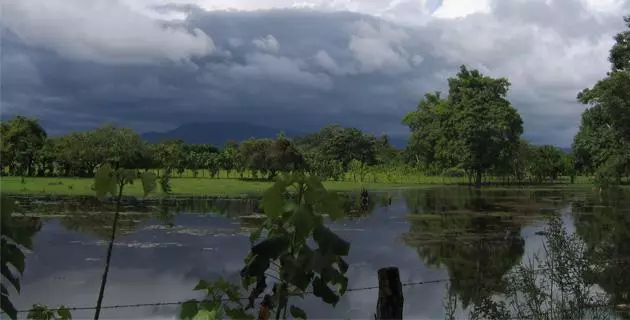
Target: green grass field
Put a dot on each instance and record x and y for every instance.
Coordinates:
(180, 186)
(203, 185)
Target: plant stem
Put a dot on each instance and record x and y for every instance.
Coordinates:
(101, 292)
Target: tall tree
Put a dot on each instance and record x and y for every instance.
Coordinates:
(603, 140)
(22, 138)
(475, 128)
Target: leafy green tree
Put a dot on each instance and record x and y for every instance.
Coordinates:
(428, 134)
(385, 153)
(253, 152)
(22, 138)
(284, 157)
(602, 144)
(485, 123)
(475, 128)
(334, 142)
(546, 162)
(358, 169)
(168, 154)
(230, 159)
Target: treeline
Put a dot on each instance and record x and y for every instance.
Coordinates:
(333, 153)
(472, 132)
(26, 150)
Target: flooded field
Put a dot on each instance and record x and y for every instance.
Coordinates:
(455, 248)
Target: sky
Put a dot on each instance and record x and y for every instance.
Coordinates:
(295, 65)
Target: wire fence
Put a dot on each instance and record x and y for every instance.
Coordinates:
(310, 292)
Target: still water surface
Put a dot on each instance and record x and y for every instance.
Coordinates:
(438, 233)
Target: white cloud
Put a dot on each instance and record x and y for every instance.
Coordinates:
(460, 8)
(379, 49)
(102, 30)
(268, 44)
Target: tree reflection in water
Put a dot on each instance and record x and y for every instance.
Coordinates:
(477, 239)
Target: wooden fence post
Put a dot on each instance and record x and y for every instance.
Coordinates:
(390, 295)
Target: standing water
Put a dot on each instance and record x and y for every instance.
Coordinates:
(454, 248)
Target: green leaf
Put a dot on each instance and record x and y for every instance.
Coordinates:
(202, 285)
(302, 221)
(105, 181)
(6, 305)
(319, 261)
(297, 312)
(343, 265)
(149, 182)
(189, 309)
(13, 255)
(206, 315)
(237, 313)
(273, 202)
(329, 242)
(64, 313)
(272, 247)
(6, 205)
(7, 274)
(321, 290)
(255, 235)
(332, 206)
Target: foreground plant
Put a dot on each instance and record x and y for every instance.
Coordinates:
(295, 207)
(109, 181)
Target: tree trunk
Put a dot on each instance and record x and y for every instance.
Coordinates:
(478, 179)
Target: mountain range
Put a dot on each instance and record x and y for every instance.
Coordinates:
(217, 133)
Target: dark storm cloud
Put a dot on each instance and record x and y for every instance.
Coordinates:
(295, 69)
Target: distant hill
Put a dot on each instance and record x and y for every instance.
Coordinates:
(216, 133)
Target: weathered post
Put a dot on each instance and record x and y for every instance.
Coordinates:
(390, 295)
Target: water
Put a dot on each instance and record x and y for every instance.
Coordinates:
(431, 234)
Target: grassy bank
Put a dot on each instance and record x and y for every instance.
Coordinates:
(204, 186)
(180, 186)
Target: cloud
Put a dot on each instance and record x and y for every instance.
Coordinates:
(155, 64)
(268, 43)
(102, 31)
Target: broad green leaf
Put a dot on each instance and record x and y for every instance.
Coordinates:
(189, 310)
(302, 222)
(105, 181)
(149, 182)
(206, 315)
(255, 235)
(6, 305)
(6, 205)
(271, 248)
(297, 312)
(8, 274)
(321, 290)
(64, 313)
(343, 265)
(329, 242)
(332, 206)
(13, 255)
(319, 261)
(203, 285)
